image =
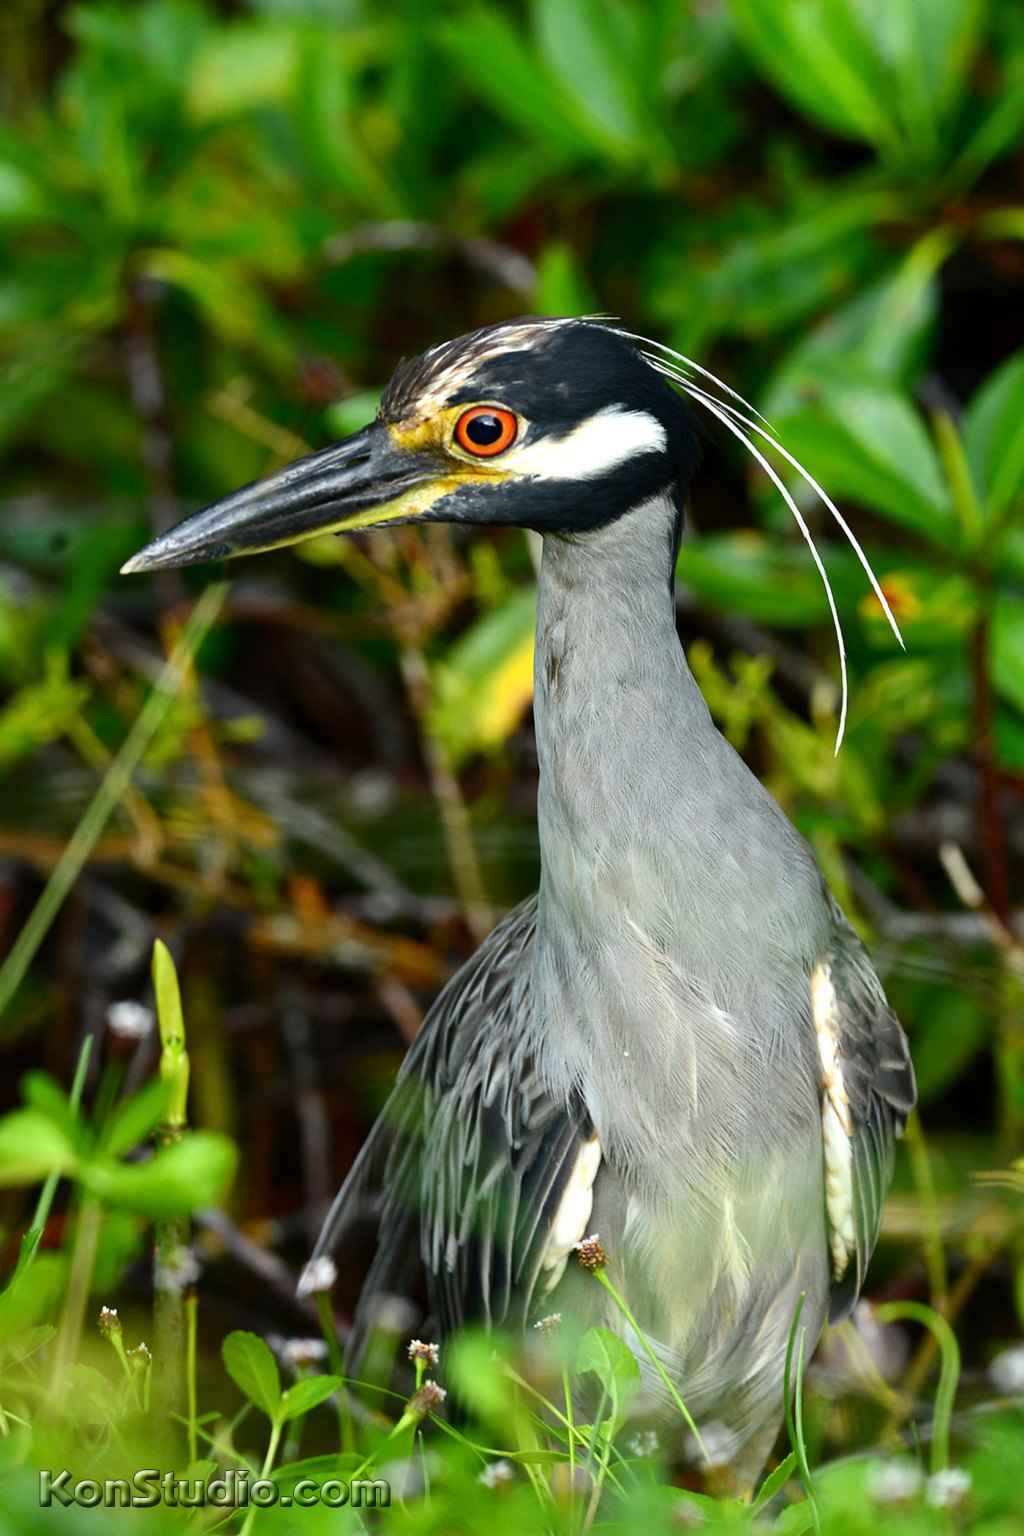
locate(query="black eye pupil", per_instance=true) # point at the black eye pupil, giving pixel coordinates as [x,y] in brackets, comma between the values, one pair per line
[484,430]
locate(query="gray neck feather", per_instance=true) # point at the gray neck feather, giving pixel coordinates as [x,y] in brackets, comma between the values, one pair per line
[678,907]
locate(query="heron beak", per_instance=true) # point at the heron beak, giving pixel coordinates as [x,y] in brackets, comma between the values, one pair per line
[368,479]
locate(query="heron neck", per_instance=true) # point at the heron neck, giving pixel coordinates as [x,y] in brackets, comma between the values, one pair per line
[614,698]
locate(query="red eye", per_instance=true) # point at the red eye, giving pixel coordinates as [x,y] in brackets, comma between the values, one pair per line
[485,430]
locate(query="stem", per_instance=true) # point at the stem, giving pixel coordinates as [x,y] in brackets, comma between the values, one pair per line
[934,1253]
[170,1333]
[268,1462]
[992,832]
[949,1371]
[601,1275]
[83,1261]
[191,1329]
[30,1242]
[336,1362]
[794,1408]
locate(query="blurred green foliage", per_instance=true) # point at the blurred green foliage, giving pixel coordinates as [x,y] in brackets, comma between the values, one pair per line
[220,225]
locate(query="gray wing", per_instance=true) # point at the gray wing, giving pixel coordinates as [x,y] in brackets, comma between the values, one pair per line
[471,1154]
[868,1092]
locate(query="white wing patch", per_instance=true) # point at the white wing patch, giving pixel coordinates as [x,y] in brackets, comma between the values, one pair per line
[604,440]
[573,1215]
[836,1124]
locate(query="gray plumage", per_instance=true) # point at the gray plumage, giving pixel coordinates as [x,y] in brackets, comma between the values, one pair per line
[683,988]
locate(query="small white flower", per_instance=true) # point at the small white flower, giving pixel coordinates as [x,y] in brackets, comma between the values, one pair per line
[426,1399]
[949,1489]
[1007,1372]
[303,1351]
[498,1474]
[428,1353]
[719,1446]
[894,1482]
[318,1275]
[646,1443]
[550,1324]
[130,1020]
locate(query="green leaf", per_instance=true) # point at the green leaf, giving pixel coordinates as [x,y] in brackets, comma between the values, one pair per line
[817,54]
[174,1061]
[993,435]
[240,68]
[1006,638]
[492,57]
[182,1177]
[580,47]
[774,1482]
[307,1394]
[250,1363]
[22,1345]
[773,581]
[952,1026]
[479,1379]
[484,684]
[32,1146]
[864,441]
[134,1120]
[168,997]
[892,74]
[615,1366]
[42,1092]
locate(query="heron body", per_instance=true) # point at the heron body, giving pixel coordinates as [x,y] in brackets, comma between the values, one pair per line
[679,1042]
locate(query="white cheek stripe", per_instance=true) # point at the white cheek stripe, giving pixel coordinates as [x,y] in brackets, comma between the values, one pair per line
[597,445]
[836,1124]
[573,1215]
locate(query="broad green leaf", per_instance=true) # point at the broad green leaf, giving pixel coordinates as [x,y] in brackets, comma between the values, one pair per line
[817,54]
[887,326]
[993,436]
[771,268]
[479,1378]
[239,68]
[578,44]
[562,285]
[864,441]
[250,1363]
[32,1145]
[951,1028]
[484,685]
[615,1366]
[40,1091]
[134,1119]
[771,581]
[183,1177]
[1006,638]
[492,57]
[307,1394]
[997,133]
[890,73]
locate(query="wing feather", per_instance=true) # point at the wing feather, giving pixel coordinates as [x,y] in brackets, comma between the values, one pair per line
[868,1084]
[468,1162]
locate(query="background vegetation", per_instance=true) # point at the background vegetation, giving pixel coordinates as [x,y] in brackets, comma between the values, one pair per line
[220,226]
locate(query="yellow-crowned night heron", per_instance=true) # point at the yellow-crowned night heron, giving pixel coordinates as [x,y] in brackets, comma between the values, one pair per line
[679,1041]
